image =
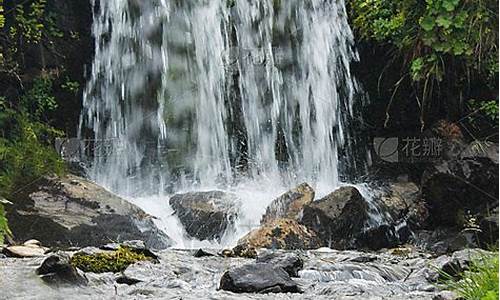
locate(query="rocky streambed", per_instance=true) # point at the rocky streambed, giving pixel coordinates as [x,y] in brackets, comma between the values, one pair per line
[401,273]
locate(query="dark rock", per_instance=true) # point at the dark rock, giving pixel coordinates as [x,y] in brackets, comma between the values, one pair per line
[383,236]
[206,215]
[458,187]
[202,253]
[290,262]
[280,234]
[337,218]
[126,280]
[258,278]
[400,196]
[489,228]
[72,211]
[446,267]
[478,149]
[445,240]
[57,269]
[290,204]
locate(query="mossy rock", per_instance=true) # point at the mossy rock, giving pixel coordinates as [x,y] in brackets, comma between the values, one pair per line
[113,261]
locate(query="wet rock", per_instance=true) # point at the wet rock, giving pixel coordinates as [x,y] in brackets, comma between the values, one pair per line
[445,240]
[290,204]
[202,253]
[458,187]
[446,295]
[57,269]
[290,262]
[280,234]
[258,278]
[337,218]
[72,211]
[206,215]
[31,248]
[383,236]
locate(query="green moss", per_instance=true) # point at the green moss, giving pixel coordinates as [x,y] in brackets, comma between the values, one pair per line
[115,261]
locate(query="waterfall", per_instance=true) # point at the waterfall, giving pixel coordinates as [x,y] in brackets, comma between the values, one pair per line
[253,96]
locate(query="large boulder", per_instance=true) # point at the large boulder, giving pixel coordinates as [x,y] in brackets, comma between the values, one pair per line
[284,234]
[258,278]
[459,187]
[72,211]
[290,204]
[338,218]
[206,215]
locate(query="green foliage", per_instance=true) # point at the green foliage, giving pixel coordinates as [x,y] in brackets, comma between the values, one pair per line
[71,86]
[489,108]
[116,261]
[2,17]
[480,282]
[439,40]
[25,141]
[39,100]
[4,228]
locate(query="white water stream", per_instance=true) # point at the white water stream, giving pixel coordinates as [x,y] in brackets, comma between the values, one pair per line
[247,96]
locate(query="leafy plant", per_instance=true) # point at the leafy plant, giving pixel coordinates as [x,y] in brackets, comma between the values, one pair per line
[480,281]
[71,86]
[441,41]
[4,228]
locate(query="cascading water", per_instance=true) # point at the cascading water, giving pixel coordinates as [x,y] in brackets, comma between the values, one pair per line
[243,95]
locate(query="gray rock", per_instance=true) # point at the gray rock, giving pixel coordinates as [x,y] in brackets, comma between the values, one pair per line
[337,218]
[290,204]
[57,269]
[258,278]
[290,262]
[23,251]
[206,215]
[72,211]
[446,295]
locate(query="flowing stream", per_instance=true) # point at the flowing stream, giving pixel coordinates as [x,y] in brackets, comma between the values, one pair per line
[247,96]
